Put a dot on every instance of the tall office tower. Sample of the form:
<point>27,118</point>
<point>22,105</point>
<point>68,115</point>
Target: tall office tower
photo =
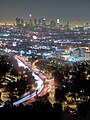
<point>52,24</point>
<point>39,22</point>
<point>30,19</point>
<point>43,22</point>
<point>18,21</point>
<point>22,22</point>
<point>27,25</point>
<point>35,22</point>
<point>57,23</point>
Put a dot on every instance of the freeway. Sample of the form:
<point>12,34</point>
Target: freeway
<point>40,83</point>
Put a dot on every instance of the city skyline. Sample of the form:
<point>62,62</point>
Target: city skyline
<point>65,10</point>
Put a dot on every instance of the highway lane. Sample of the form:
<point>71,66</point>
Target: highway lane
<point>40,84</point>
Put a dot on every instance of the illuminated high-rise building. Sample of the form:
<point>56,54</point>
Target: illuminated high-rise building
<point>57,23</point>
<point>30,19</point>
<point>19,22</point>
<point>35,22</point>
<point>43,21</point>
<point>39,22</point>
<point>22,21</point>
<point>52,24</point>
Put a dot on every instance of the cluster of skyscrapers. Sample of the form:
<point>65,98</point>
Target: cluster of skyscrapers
<point>36,22</point>
<point>41,22</point>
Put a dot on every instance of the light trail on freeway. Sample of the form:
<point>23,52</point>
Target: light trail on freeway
<point>39,81</point>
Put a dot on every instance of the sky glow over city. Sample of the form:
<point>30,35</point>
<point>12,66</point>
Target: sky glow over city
<point>65,10</point>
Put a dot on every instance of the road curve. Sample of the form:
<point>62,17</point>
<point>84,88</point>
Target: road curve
<point>39,82</point>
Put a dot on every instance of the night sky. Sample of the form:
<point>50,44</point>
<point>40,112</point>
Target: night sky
<point>65,10</point>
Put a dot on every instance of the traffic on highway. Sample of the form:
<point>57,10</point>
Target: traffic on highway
<point>41,90</point>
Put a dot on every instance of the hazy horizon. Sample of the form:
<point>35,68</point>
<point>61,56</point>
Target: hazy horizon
<point>65,10</point>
